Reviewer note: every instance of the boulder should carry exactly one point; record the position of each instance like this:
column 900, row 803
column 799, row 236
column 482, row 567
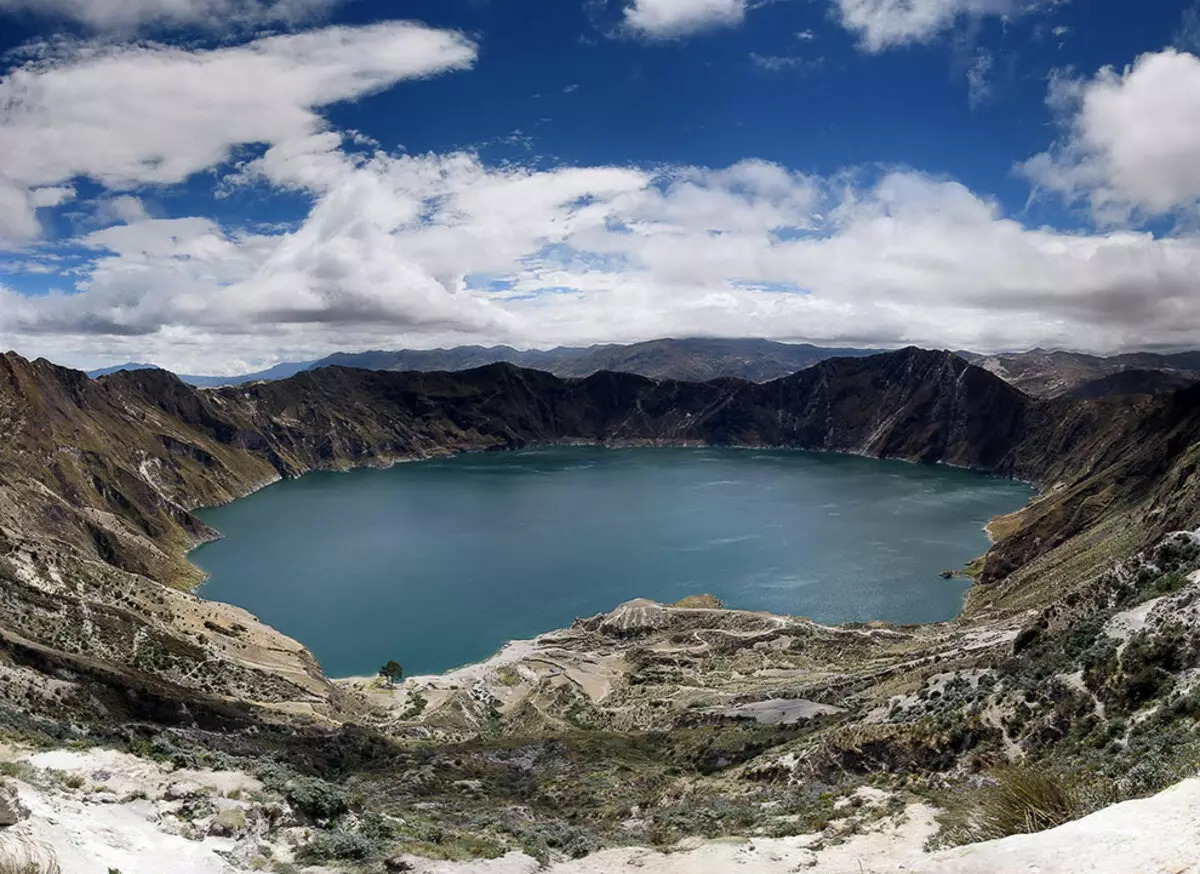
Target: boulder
column 184, row 790
column 228, row 823
column 12, row 811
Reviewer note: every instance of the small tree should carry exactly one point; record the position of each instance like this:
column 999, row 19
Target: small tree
column 392, row 672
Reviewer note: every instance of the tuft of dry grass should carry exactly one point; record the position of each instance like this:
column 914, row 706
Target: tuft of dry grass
column 1015, row 800
column 700, row 602
column 23, row 857
column 1001, row 527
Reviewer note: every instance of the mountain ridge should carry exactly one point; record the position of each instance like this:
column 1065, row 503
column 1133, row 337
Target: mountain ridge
column 1042, row 373
column 689, row 359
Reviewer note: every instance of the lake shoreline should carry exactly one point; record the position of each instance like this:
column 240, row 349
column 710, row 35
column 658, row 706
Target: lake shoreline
column 714, row 542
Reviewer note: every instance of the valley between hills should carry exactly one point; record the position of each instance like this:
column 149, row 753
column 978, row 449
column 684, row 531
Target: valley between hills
column 663, row 726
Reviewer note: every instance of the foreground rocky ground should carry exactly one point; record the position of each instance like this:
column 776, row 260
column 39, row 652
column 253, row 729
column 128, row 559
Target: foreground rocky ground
column 101, row 810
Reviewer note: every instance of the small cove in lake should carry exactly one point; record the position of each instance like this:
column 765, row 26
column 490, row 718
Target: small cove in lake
column 439, row 563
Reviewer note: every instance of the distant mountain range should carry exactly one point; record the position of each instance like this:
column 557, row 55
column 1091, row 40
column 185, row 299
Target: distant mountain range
column 279, row 371
column 1040, row 373
column 694, row 360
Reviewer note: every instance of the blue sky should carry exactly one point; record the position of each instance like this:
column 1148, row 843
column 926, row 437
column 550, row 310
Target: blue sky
column 216, row 185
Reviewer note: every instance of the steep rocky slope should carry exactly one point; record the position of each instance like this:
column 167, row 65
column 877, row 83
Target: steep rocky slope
column 112, row 466
column 647, row 724
column 1050, row 374
column 1132, row 382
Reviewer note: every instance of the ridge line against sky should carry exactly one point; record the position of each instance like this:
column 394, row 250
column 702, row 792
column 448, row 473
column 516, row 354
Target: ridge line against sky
column 217, row 185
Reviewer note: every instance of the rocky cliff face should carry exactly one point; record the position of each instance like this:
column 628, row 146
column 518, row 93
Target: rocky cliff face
column 111, row 467
column 1045, row 374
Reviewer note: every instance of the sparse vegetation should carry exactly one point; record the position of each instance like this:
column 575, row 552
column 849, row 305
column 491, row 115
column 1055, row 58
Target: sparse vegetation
column 696, row 602
column 17, row 770
column 509, row 676
column 660, row 747
column 416, row 706
column 339, row 845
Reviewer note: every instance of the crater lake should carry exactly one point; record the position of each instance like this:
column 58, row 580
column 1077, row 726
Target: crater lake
column 438, row 563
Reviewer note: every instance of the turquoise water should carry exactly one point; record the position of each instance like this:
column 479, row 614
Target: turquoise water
column 437, row 564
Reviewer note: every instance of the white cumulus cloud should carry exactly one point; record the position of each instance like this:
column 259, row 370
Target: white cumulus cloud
column 1132, row 142
column 128, row 15
column 671, row 19
column 151, row 114
column 437, row 250
column 426, row 250
column 882, row 24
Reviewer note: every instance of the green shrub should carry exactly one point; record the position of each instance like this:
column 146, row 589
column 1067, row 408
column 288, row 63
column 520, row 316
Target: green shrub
column 1083, row 636
column 1185, row 706
column 377, row 827
column 339, row 844
column 416, row 706
column 273, row 775
column 1168, row 584
column 317, row 798
column 1148, row 665
column 1099, row 663
column 543, row 839
column 19, row 770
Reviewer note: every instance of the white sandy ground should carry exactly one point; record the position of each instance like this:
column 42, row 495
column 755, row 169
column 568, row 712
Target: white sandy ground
column 90, row 831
